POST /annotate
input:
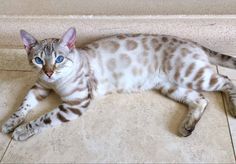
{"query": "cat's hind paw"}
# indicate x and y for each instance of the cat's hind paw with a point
(11, 124)
(185, 132)
(186, 128)
(23, 132)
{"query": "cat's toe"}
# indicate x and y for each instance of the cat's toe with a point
(7, 128)
(185, 131)
(22, 133)
(11, 124)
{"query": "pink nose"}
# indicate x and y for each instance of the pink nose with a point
(49, 73)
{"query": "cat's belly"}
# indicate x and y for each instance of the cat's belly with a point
(125, 70)
(124, 82)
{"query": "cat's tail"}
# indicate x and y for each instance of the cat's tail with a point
(223, 60)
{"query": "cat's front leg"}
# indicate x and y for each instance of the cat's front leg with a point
(63, 113)
(35, 94)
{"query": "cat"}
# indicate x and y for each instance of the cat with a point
(177, 67)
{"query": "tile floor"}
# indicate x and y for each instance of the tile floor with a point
(139, 127)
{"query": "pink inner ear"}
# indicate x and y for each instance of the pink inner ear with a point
(27, 39)
(70, 46)
(26, 43)
(69, 38)
(71, 43)
(27, 46)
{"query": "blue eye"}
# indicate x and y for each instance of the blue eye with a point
(38, 60)
(59, 59)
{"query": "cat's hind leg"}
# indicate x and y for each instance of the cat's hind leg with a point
(222, 83)
(195, 101)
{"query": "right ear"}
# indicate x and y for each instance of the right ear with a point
(28, 40)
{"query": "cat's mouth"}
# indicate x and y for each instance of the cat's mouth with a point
(48, 76)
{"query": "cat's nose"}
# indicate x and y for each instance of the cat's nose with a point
(49, 73)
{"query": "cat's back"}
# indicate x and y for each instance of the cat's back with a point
(133, 43)
(127, 50)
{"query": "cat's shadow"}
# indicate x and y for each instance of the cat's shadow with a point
(176, 119)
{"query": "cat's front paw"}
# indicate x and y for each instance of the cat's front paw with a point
(11, 124)
(23, 132)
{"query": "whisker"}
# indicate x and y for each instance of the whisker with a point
(69, 59)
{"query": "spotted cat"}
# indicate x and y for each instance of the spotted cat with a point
(178, 68)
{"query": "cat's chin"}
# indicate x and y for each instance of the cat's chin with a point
(48, 79)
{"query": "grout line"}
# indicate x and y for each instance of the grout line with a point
(5, 150)
(227, 118)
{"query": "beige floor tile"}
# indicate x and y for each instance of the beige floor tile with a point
(4, 141)
(13, 59)
(12, 87)
(231, 73)
(120, 128)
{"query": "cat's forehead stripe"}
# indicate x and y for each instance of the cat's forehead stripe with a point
(48, 45)
(48, 49)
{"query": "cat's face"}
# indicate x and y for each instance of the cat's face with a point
(50, 57)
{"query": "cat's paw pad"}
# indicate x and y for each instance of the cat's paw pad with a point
(11, 124)
(23, 132)
(185, 129)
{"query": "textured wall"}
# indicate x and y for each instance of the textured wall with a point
(99, 18)
(204, 30)
(116, 7)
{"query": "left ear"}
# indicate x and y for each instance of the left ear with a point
(69, 37)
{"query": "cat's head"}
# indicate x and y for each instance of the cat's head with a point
(50, 56)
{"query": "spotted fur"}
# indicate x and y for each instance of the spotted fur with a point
(177, 67)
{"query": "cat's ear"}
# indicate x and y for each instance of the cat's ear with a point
(28, 40)
(69, 38)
